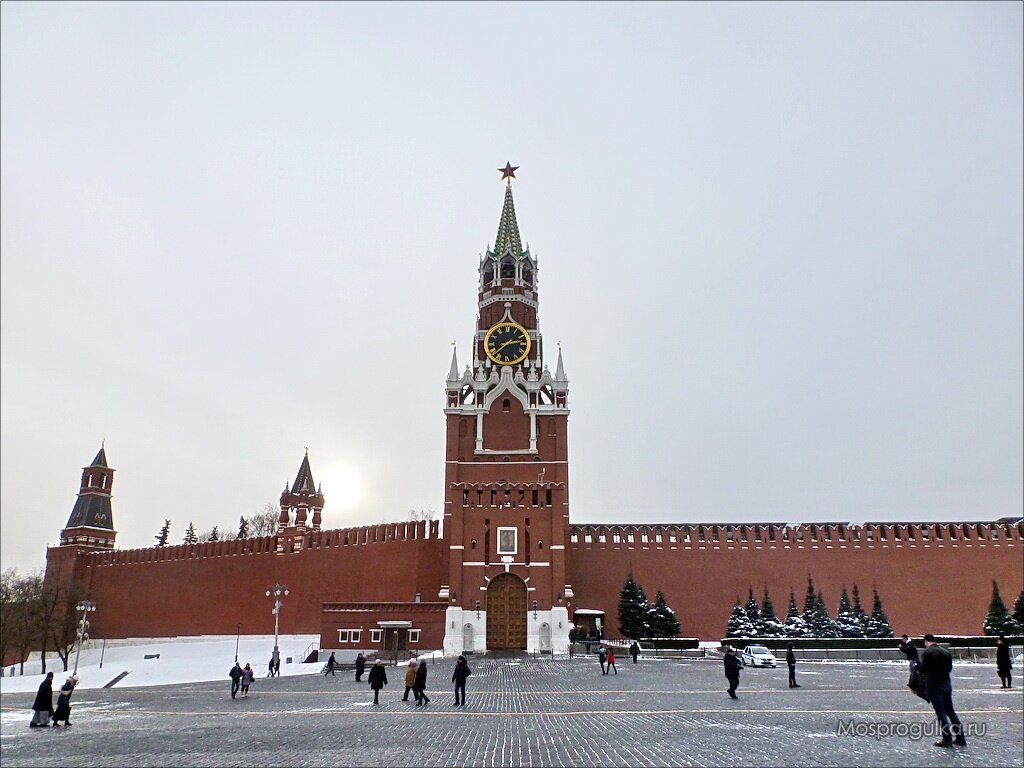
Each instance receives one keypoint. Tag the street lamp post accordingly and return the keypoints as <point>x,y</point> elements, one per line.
<point>238,631</point>
<point>85,607</point>
<point>277,591</point>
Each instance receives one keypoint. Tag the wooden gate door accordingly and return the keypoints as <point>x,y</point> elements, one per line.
<point>506,613</point>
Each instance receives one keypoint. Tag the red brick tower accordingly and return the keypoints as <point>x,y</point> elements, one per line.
<point>90,526</point>
<point>296,505</point>
<point>506,507</point>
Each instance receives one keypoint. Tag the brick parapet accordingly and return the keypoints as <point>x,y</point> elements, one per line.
<point>928,582</point>
<point>340,537</point>
<point>799,536</point>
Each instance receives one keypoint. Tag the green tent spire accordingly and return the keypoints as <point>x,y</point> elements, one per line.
<point>507,238</point>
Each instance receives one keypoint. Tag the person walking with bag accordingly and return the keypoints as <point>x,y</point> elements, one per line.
<point>42,707</point>
<point>462,671</point>
<point>248,678</point>
<point>410,678</point>
<point>908,649</point>
<point>611,661</point>
<point>602,657</point>
<point>330,666</point>
<point>63,710</point>
<point>377,679</point>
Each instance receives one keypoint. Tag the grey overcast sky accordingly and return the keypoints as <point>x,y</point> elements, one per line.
<point>780,244</point>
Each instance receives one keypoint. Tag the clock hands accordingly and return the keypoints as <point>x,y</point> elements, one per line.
<point>510,341</point>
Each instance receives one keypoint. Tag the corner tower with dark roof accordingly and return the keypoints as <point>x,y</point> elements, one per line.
<point>91,523</point>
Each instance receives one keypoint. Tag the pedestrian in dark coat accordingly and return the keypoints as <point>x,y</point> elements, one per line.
<point>360,666</point>
<point>908,649</point>
<point>410,678</point>
<point>270,667</point>
<point>611,661</point>
<point>1004,663</point>
<point>277,667</point>
<point>63,710</point>
<point>419,688</point>
<point>42,707</point>
<point>732,671</point>
<point>236,678</point>
<point>462,671</point>
<point>248,678</point>
<point>602,656</point>
<point>791,664</point>
<point>377,679</point>
<point>634,650</point>
<point>935,664</point>
<point>330,666</point>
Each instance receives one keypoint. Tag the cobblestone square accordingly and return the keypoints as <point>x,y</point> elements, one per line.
<point>528,712</point>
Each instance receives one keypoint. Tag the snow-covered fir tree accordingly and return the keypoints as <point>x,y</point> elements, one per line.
<point>661,619</point>
<point>243,528</point>
<point>768,624</point>
<point>858,610</point>
<point>1018,609</point>
<point>878,622</point>
<point>753,610</point>
<point>795,625</point>
<point>739,624</point>
<point>999,621</point>
<point>846,620</point>
<point>190,534</point>
<point>165,532</point>
<point>810,598</point>
<point>810,614</point>
<point>824,625</point>
<point>633,610</point>
<point>214,534</point>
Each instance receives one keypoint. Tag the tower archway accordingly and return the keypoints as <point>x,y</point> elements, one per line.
<point>506,613</point>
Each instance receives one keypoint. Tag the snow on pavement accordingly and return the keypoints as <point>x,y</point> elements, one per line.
<point>181,660</point>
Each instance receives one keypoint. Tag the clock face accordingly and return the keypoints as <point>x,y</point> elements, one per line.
<point>507,343</point>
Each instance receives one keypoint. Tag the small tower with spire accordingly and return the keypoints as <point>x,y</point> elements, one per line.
<point>301,507</point>
<point>91,523</point>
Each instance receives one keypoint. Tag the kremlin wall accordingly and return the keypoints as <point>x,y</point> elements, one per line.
<point>506,568</point>
<point>210,587</point>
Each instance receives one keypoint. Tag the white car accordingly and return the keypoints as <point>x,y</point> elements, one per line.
<point>757,656</point>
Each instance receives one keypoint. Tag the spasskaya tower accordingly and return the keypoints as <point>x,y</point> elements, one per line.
<point>506,501</point>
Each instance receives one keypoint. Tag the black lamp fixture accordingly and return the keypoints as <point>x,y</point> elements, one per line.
<point>478,609</point>
<point>535,609</point>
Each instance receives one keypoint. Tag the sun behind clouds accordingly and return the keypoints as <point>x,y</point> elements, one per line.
<point>343,489</point>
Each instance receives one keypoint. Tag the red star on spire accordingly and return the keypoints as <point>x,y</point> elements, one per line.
<point>509,171</point>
